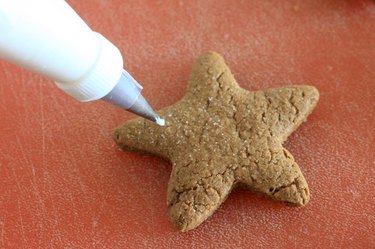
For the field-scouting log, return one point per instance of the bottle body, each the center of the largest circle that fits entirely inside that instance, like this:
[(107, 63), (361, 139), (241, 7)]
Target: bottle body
[(49, 38)]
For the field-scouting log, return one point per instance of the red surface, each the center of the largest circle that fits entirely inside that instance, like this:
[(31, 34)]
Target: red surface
[(64, 184)]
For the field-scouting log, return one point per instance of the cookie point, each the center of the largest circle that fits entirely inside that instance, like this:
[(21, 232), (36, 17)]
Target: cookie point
[(311, 91), (116, 135), (315, 92)]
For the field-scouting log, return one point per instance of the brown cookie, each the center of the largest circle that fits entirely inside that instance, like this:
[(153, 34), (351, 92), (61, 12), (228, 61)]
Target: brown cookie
[(219, 136)]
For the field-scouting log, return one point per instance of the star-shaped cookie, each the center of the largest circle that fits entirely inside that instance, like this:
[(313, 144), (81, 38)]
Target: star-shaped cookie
[(220, 136)]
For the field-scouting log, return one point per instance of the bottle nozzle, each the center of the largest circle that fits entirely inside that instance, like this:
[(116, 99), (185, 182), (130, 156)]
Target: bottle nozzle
[(143, 109), (127, 95)]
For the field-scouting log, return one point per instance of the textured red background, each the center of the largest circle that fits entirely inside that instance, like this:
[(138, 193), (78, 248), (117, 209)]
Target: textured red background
[(65, 184)]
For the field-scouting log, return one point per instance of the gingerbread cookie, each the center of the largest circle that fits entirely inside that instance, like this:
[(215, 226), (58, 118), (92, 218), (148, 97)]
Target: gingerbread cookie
[(219, 136)]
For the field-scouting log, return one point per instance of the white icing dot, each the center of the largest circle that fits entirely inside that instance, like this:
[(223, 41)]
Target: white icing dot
[(160, 121)]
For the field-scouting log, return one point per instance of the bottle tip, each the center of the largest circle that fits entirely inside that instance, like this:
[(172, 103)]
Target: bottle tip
[(143, 109), (160, 121)]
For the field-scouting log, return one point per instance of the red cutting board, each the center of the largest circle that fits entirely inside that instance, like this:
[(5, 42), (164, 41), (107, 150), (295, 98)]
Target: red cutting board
[(64, 183)]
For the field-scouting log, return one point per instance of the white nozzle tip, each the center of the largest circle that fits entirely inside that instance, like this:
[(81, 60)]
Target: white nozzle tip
[(160, 121)]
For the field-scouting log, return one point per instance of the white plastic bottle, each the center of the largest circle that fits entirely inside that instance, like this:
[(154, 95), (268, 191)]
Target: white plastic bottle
[(49, 38)]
